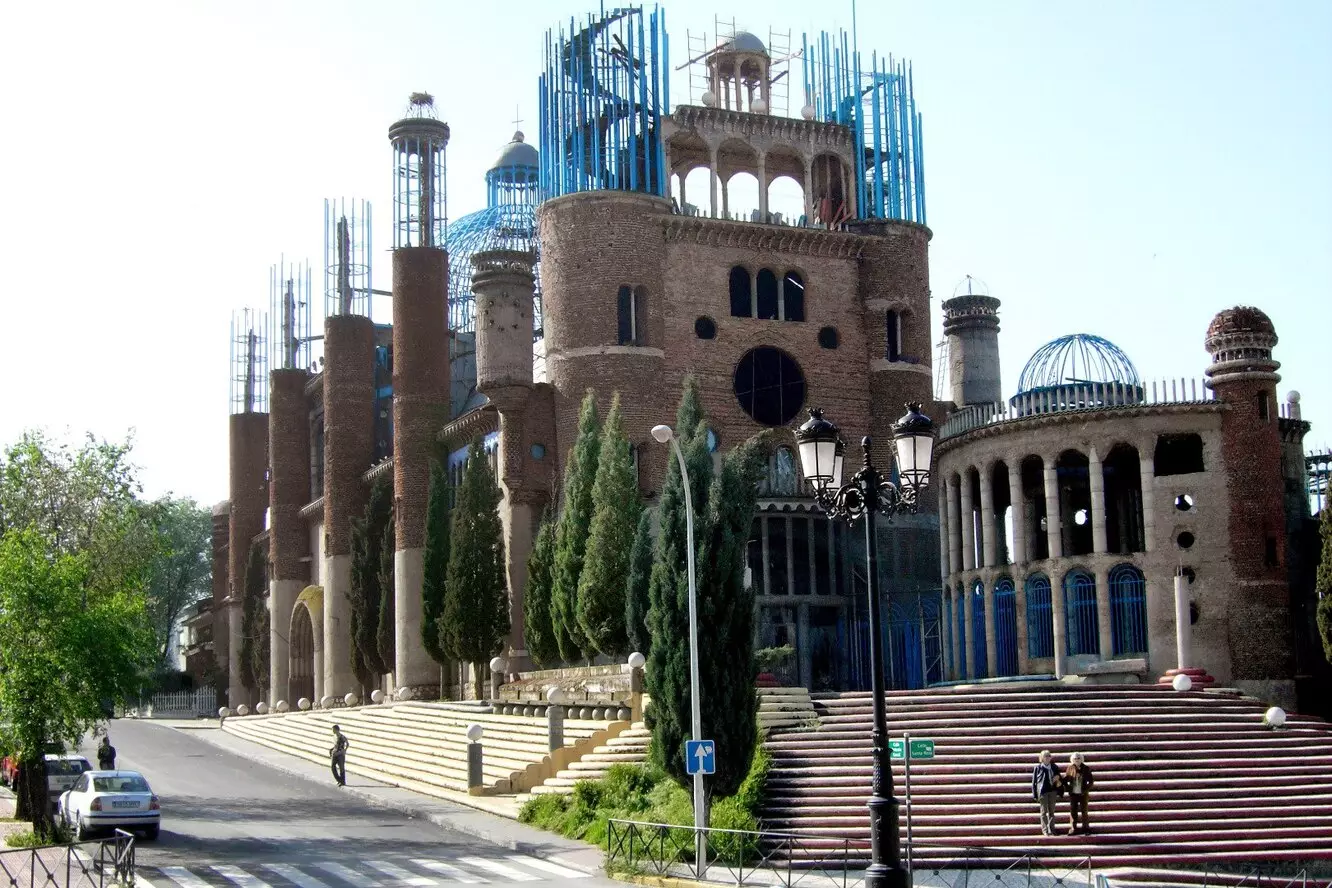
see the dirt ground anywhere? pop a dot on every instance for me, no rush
(7, 823)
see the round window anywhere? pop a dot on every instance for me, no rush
(769, 386)
(538, 451)
(828, 337)
(705, 328)
(1185, 540)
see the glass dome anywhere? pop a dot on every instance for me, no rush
(1077, 360)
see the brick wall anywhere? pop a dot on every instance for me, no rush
(249, 491)
(289, 483)
(349, 403)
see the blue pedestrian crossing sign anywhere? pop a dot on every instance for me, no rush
(700, 757)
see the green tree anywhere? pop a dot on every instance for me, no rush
(615, 509)
(182, 571)
(538, 633)
(435, 568)
(1323, 581)
(384, 638)
(667, 675)
(475, 616)
(636, 594)
(63, 653)
(572, 531)
(253, 596)
(726, 608)
(365, 592)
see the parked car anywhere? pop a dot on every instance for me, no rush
(62, 772)
(102, 800)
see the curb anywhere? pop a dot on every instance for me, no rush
(663, 881)
(422, 812)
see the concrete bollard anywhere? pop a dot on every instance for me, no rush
(475, 775)
(636, 663)
(555, 718)
(497, 667)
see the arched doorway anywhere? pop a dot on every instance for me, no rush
(302, 680)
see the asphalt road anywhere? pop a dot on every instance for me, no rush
(230, 821)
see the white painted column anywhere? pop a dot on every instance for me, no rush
(1096, 481)
(338, 677)
(1054, 526)
(968, 519)
(1147, 478)
(282, 596)
(1183, 626)
(1019, 541)
(954, 523)
(989, 550)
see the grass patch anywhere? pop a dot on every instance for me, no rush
(26, 838)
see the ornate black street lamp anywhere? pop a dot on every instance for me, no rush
(867, 495)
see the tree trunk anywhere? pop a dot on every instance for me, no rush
(33, 801)
(478, 683)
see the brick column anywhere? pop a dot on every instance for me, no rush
(420, 409)
(288, 534)
(248, 445)
(349, 407)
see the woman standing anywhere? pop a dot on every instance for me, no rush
(1078, 782)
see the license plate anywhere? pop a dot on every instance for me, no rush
(124, 804)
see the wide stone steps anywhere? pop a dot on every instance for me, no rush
(1179, 777)
(630, 747)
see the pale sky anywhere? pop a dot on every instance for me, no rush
(1123, 168)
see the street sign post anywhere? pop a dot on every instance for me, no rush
(700, 757)
(906, 750)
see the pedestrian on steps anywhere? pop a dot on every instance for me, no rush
(338, 756)
(1046, 782)
(106, 754)
(1078, 781)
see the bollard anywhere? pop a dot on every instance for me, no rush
(555, 718)
(636, 663)
(474, 773)
(497, 667)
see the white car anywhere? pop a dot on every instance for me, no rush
(110, 799)
(62, 772)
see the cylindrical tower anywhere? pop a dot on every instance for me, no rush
(288, 491)
(971, 323)
(248, 446)
(1243, 375)
(420, 205)
(219, 629)
(504, 286)
(420, 363)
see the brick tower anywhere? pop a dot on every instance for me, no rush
(420, 361)
(1243, 375)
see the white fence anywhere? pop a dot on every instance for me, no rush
(182, 704)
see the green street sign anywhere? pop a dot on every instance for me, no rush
(920, 749)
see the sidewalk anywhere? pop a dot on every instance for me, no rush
(491, 818)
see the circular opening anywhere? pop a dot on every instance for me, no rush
(1185, 540)
(769, 386)
(538, 451)
(1080, 517)
(705, 328)
(828, 337)
(1184, 502)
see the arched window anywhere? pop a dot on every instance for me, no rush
(767, 295)
(741, 293)
(783, 472)
(793, 296)
(1128, 610)
(629, 310)
(980, 664)
(893, 336)
(1005, 626)
(1040, 617)
(1080, 607)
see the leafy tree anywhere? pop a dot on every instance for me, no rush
(435, 566)
(616, 507)
(182, 571)
(636, 595)
(667, 674)
(1323, 582)
(572, 531)
(384, 638)
(365, 593)
(538, 633)
(255, 591)
(63, 653)
(475, 616)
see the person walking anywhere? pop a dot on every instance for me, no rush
(338, 756)
(1046, 782)
(106, 754)
(1078, 781)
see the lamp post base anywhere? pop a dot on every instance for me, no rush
(885, 869)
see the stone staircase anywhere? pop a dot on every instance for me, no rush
(423, 746)
(630, 747)
(1180, 778)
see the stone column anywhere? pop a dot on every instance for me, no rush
(1020, 603)
(969, 632)
(288, 535)
(1015, 496)
(954, 524)
(991, 635)
(968, 517)
(809, 191)
(1147, 480)
(1054, 537)
(945, 550)
(763, 188)
(989, 550)
(349, 407)
(1183, 626)
(1054, 516)
(1103, 616)
(1096, 479)
(712, 181)
(959, 638)
(946, 618)
(420, 409)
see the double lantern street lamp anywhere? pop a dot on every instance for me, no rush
(866, 495)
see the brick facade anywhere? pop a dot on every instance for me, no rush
(289, 482)
(249, 492)
(349, 404)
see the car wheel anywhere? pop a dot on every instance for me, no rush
(151, 833)
(81, 831)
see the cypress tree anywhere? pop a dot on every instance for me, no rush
(538, 633)
(726, 608)
(435, 563)
(615, 510)
(1323, 581)
(572, 531)
(636, 595)
(384, 637)
(356, 602)
(475, 617)
(366, 592)
(667, 674)
(254, 592)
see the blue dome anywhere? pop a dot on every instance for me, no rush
(1077, 360)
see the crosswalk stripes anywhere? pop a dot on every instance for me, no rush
(362, 873)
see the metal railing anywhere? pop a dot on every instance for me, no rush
(1259, 876)
(102, 864)
(772, 859)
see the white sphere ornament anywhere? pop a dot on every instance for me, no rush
(223, 712)
(709, 98)
(376, 696)
(637, 660)
(1182, 682)
(282, 706)
(242, 709)
(262, 708)
(807, 112)
(350, 699)
(303, 704)
(1276, 716)
(327, 701)
(474, 732)
(497, 664)
(555, 694)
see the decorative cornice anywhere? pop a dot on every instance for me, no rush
(313, 509)
(378, 470)
(472, 424)
(775, 238)
(1068, 417)
(793, 131)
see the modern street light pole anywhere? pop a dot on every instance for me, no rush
(867, 495)
(664, 434)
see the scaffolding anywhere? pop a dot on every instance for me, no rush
(292, 344)
(347, 250)
(249, 361)
(701, 49)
